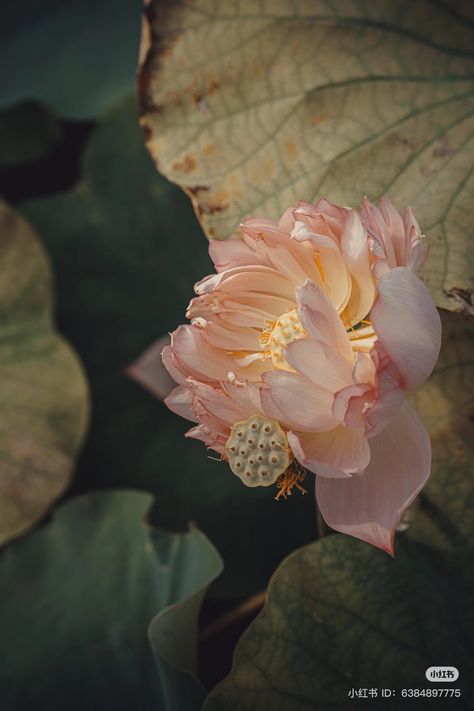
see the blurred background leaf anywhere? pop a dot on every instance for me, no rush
(28, 132)
(84, 589)
(43, 392)
(252, 108)
(341, 614)
(127, 250)
(78, 57)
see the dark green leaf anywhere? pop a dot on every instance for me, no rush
(77, 598)
(77, 57)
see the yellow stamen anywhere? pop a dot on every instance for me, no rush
(290, 479)
(277, 335)
(319, 265)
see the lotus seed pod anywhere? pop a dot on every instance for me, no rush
(258, 451)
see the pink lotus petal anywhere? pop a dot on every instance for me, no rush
(179, 401)
(330, 208)
(303, 405)
(246, 396)
(407, 323)
(364, 369)
(337, 453)
(351, 403)
(197, 358)
(374, 223)
(390, 394)
(169, 361)
(334, 275)
(320, 363)
(150, 371)
(369, 505)
(355, 250)
(321, 320)
(396, 230)
(211, 439)
(231, 253)
(218, 404)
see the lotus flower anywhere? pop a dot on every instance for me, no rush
(302, 348)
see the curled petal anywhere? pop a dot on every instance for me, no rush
(369, 505)
(321, 320)
(407, 323)
(211, 439)
(337, 453)
(227, 254)
(351, 403)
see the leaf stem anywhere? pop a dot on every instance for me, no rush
(248, 607)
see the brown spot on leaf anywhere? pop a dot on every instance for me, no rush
(208, 149)
(212, 85)
(292, 149)
(443, 149)
(218, 202)
(395, 139)
(186, 165)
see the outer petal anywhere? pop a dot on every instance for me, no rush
(153, 372)
(216, 403)
(211, 439)
(369, 505)
(230, 253)
(179, 401)
(407, 323)
(337, 453)
(303, 405)
(197, 358)
(169, 363)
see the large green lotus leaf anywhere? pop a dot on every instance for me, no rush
(251, 107)
(78, 599)
(77, 56)
(43, 392)
(127, 250)
(341, 614)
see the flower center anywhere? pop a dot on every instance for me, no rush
(278, 334)
(258, 451)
